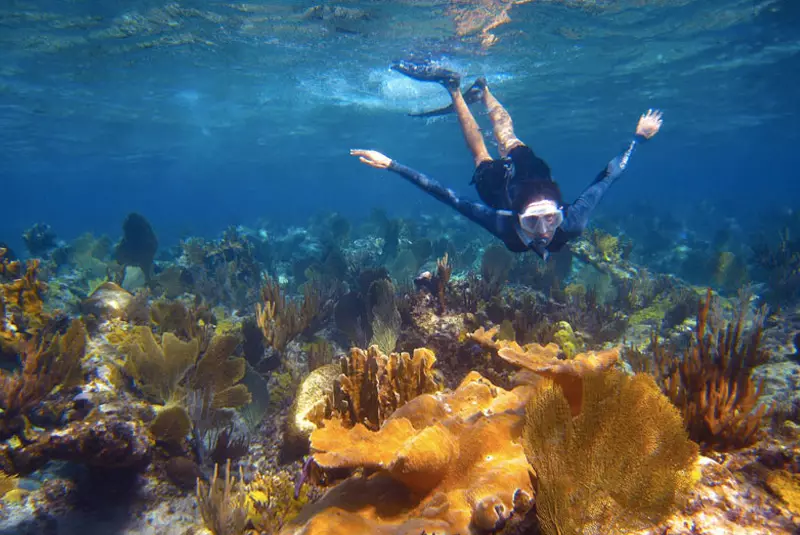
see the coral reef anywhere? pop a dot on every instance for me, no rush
(522, 422)
(39, 239)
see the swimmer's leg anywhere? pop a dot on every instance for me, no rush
(469, 127)
(430, 72)
(471, 96)
(501, 121)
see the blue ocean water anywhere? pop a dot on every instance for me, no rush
(202, 115)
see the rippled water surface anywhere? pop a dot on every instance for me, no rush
(212, 113)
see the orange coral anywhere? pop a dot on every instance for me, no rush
(711, 383)
(54, 362)
(543, 360)
(21, 304)
(442, 463)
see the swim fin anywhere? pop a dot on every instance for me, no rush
(428, 72)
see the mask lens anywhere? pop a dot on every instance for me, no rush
(542, 225)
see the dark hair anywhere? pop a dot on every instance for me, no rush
(532, 181)
(525, 192)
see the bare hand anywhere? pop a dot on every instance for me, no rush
(372, 158)
(649, 124)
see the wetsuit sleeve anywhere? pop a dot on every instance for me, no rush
(578, 212)
(492, 220)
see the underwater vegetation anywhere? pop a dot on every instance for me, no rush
(625, 457)
(393, 376)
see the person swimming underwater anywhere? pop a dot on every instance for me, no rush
(522, 204)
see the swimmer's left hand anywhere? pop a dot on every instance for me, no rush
(649, 124)
(372, 158)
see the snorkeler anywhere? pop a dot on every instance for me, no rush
(522, 204)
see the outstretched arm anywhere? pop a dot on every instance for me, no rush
(485, 216)
(578, 212)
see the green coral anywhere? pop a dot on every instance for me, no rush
(281, 389)
(606, 244)
(567, 340)
(653, 314)
(507, 331)
(575, 292)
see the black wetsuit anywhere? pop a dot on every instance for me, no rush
(503, 222)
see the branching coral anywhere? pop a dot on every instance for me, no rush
(383, 315)
(280, 318)
(21, 304)
(52, 363)
(223, 503)
(443, 272)
(712, 384)
(623, 463)
(373, 385)
(440, 464)
(320, 353)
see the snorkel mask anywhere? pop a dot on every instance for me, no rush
(540, 221)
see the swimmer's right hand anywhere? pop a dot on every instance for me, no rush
(372, 158)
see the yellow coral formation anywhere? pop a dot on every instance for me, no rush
(21, 304)
(158, 368)
(624, 463)
(7, 483)
(607, 245)
(271, 502)
(218, 375)
(543, 360)
(786, 486)
(280, 318)
(171, 424)
(443, 464)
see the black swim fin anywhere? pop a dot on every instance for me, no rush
(428, 72)
(471, 96)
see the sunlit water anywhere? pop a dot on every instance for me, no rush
(204, 114)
